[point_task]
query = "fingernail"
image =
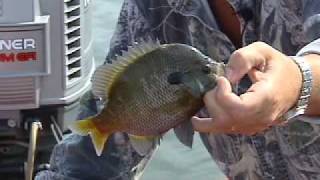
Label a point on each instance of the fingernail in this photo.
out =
(194, 118)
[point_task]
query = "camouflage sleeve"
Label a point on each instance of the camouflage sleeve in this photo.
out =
(132, 26)
(311, 48)
(74, 157)
(311, 26)
(311, 18)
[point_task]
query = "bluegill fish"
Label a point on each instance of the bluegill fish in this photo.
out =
(148, 90)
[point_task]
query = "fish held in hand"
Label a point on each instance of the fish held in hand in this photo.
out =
(148, 90)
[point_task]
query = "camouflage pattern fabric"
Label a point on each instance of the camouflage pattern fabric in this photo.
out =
(282, 153)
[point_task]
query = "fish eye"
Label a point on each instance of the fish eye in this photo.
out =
(175, 78)
(206, 69)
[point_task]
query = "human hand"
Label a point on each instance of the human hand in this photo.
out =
(276, 83)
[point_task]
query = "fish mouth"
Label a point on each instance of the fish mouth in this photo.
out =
(217, 68)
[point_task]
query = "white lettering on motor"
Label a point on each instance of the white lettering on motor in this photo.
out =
(29, 44)
(5, 44)
(17, 44)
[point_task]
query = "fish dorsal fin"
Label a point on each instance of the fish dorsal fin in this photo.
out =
(105, 75)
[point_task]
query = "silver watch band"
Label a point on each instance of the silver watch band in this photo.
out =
(306, 88)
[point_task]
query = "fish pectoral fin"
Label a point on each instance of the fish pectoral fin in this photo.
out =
(85, 127)
(184, 132)
(144, 144)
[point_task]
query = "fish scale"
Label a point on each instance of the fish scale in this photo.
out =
(140, 98)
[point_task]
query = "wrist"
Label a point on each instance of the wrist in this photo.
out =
(294, 77)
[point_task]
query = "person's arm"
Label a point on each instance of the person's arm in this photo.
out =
(74, 158)
(277, 82)
(311, 52)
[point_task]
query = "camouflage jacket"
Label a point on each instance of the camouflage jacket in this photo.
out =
(286, 152)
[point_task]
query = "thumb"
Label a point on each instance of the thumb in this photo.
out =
(223, 85)
(224, 96)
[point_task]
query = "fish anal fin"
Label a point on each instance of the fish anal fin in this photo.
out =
(85, 127)
(82, 127)
(144, 144)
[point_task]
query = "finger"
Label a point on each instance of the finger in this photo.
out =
(241, 62)
(209, 125)
(202, 124)
(257, 96)
(223, 85)
(225, 105)
(255, 75)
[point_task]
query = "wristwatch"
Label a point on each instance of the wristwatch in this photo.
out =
(306, 88)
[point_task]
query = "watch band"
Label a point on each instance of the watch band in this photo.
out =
(306, 88)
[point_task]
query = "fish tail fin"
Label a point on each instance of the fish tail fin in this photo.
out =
(85, 127)
(98, 140)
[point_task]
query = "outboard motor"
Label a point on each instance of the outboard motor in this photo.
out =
(46, 61)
